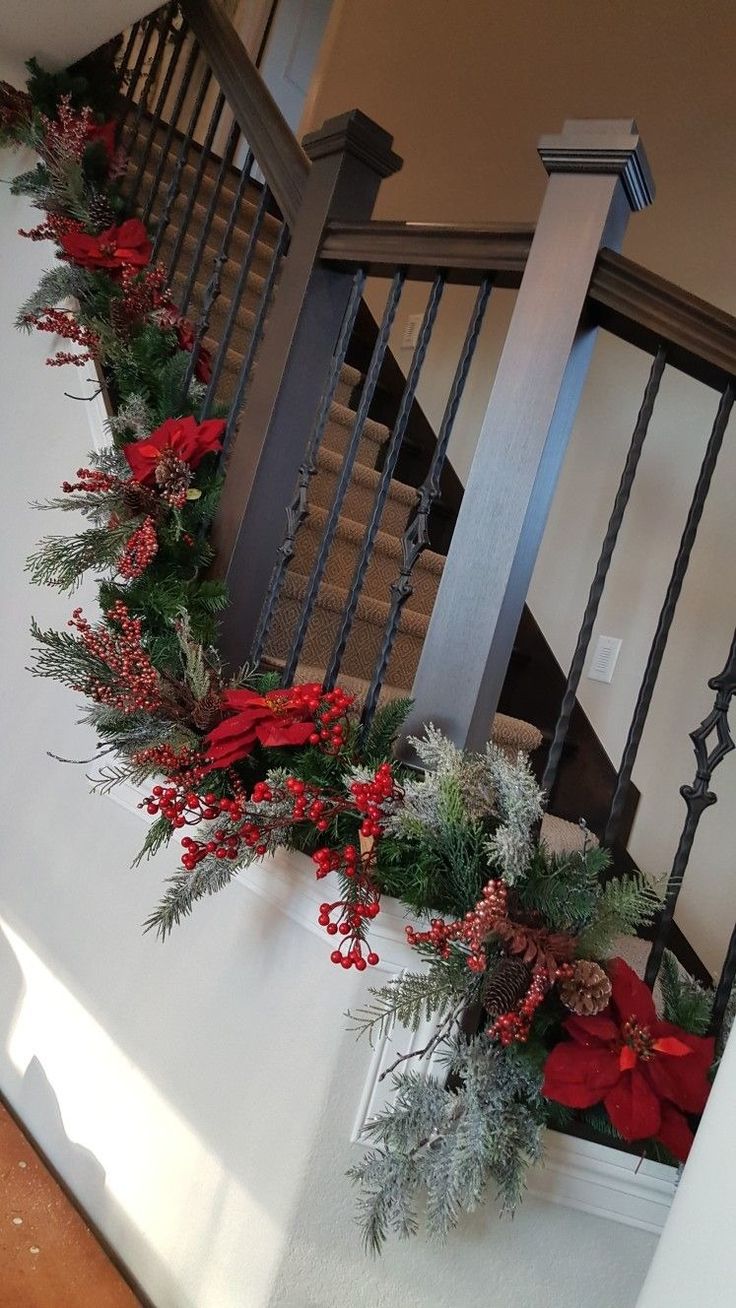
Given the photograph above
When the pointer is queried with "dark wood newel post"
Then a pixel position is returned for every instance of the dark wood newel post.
(350, 155)
(598, 173)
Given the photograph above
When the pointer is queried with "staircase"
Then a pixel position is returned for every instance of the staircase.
(510, 733)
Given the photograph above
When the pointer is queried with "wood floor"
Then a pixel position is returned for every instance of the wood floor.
(49, 1258)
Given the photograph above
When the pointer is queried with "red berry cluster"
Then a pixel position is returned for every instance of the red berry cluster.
(140, 548)
(474, 929)
(179, 766)
(370, 797)
(130, 682)
(63, 323)
(349, 917)
(142, 294)
(330, 710)
(92, 481)
(53, 226)
(187, 809)
(66, 136)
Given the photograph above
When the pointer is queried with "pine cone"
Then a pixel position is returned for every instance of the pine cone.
(172, 477)
(139, 499)
(100, 211)
(505, 986)
(587, 991)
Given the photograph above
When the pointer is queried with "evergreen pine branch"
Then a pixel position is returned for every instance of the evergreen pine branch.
(64, 658)
(625, 904)
(61, 561)
(63, 282)
(685, 1003)
(564, 888)
(159, 834)
(414, 997)
(381, 735)
(184, 889)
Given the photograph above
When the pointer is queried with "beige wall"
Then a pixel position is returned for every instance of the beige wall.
(466, 90)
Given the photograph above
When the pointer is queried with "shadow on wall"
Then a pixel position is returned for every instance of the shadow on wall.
(32, 1098)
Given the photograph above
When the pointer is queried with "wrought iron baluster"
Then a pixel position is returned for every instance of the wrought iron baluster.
(369, 386)
(164, 25)
(656, 653)
(384, 485)
(148, 27)
(211, 295)
(225, 165)
(158, 111)
(245, 267)
(416, 536)
(299, 507)
(698, 797)
(123, 66)
(596, 589)
(263, 303)
(204, 159)
(181, 94)
(182, 160)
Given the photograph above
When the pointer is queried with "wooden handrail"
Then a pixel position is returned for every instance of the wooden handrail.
(467, 253)
(278, 154)
(648, 310)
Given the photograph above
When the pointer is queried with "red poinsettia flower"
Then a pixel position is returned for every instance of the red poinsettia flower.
(104, 133)
(647, 1072)
(190, 441)
(185, 339)
(117, 247)
(281, 717)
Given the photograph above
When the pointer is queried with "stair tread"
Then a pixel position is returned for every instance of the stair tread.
(345, 417)
(385, 542)
(369, 610)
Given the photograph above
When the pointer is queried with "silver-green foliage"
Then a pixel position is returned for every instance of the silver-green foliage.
(448, 1144)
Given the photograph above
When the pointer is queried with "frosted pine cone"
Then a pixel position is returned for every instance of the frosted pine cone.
(587, 991)
(100, 211)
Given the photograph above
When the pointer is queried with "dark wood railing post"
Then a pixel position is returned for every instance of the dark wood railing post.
(350, 155)
(598, 174)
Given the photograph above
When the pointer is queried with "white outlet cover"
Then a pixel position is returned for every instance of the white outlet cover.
(604, 658)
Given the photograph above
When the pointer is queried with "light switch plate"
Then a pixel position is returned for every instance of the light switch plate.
(604, 658)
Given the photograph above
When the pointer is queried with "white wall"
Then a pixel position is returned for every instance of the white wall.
(198, 1097)
(58, 34)
(467, 93)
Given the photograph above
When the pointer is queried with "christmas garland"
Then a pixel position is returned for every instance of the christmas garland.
(534, 1019)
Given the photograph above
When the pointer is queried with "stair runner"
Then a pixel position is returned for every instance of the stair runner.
(372, 610)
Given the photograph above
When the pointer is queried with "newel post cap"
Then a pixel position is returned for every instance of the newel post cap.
(602, 145)
(356, 134)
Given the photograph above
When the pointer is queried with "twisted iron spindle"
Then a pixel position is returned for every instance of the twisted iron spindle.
(225, 165)
(158, 111)
(299, 507)
(416, 536)
(333, 517)
(123, 66)
(384, 485)
(245, 267)
(164, 30)
(263, 305)
(182, 92)
(204, 159)
(174, 187)
(698, 797)
(149, 27)
(667, 614)
(211, 295)
(601, 572)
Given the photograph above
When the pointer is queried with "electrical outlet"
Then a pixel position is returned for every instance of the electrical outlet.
(604, 658)
(411, 331)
